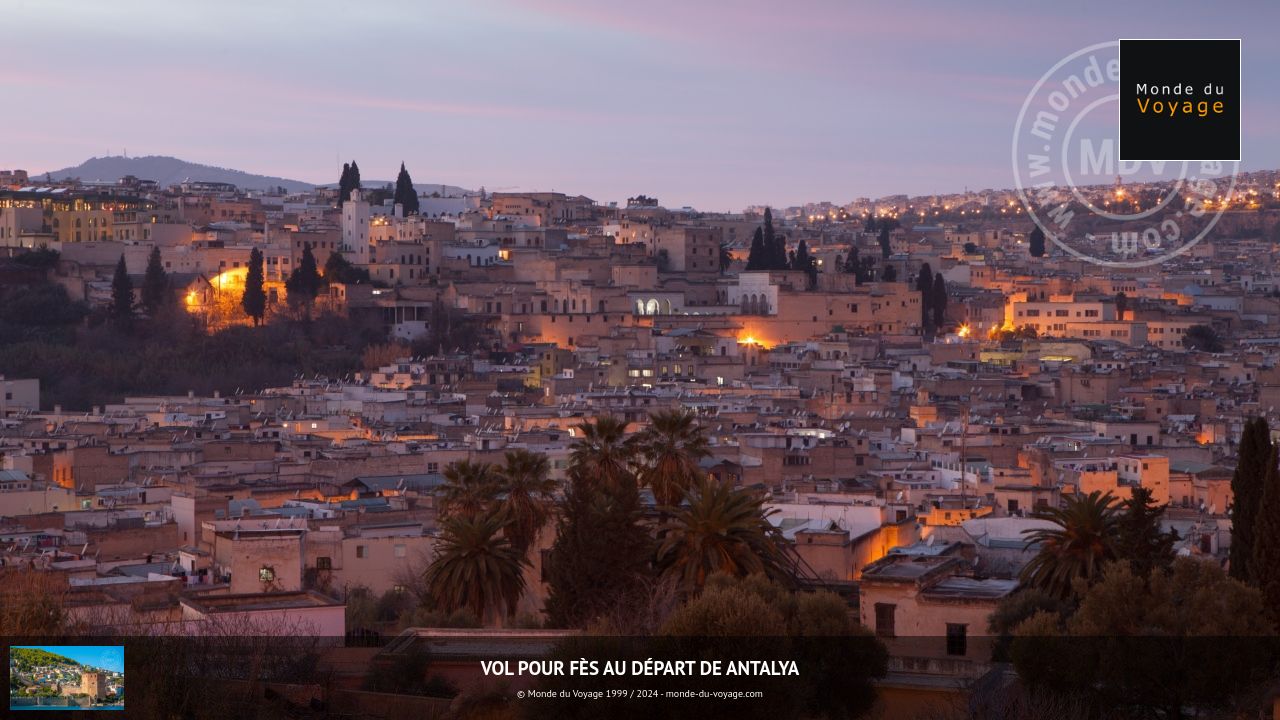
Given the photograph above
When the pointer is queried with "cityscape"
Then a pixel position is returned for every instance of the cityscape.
(318, 410)
(50, 677)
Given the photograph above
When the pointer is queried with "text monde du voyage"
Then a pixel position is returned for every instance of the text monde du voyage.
(642, 668)
(1179, 99)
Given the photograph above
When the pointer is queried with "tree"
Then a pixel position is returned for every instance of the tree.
(1203, 338)
(721, 529)
(1083, 541)
(121, 307)
(1122, 302)
(924, 285)
(344, 183)
(349, 181)
(671, 448)
(1189, 637)
(526, 495)
(889, 274)
(756, 617)
(1035, 242)
(304, 283)
(155, 284)
(1266, 541)
(476, 567)
(775, 246)
(970, 249)
(938, 299)
(1246, 489)
(756, 258)
(602, 555)
(885, 248)
(337, 269)
(469, 488)
(254, 300)
(406, 196)
(1140, 540)
(602, 455)
(726, 258)
(802, 261)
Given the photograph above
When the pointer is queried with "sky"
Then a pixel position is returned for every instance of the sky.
(715, 104)
(108, 657)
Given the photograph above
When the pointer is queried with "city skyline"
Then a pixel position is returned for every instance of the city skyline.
(700, 107)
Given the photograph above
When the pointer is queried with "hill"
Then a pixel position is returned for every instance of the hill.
(27, 658)
(170, 171)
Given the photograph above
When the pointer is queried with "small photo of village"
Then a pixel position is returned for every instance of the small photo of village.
(66, 677)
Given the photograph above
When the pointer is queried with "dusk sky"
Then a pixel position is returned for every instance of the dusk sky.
(712, 104)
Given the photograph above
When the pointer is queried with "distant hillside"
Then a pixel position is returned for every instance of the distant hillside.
(170, 171)
(27, 658)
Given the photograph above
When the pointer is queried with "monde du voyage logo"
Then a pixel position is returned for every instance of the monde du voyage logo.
(1124, 151)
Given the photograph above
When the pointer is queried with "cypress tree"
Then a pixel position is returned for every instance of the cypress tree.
(405, 195)
(254, 300)
(775, 248)
(1141, 541)
(355, 176)
(924, 285)
(344, 183)
(304, 282)
(851, 262)
(889, 274)
(1246, 487)
(885, 249)
(601, 555)
(1036, 242)
(781, 258)
(1265, 564)
(939, 300)
(756, 259)
(155, 284)
(121, 307)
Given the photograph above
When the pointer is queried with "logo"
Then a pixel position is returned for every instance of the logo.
(1087, 200)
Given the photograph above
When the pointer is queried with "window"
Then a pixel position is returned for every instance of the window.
(399, 551)
(884, 619)
(957, 639)
(324, 563)
(360, 551)
(267, 574)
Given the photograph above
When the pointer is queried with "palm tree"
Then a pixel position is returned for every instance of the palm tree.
(602, 454)
(1083, 541)
(720, 529)
(469, 488)
(476, 566)
(671, 447)
(525, 495)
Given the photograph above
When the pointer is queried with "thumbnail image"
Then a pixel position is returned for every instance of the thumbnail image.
(66, 677)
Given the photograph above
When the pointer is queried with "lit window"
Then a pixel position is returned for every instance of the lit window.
(267, 574)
